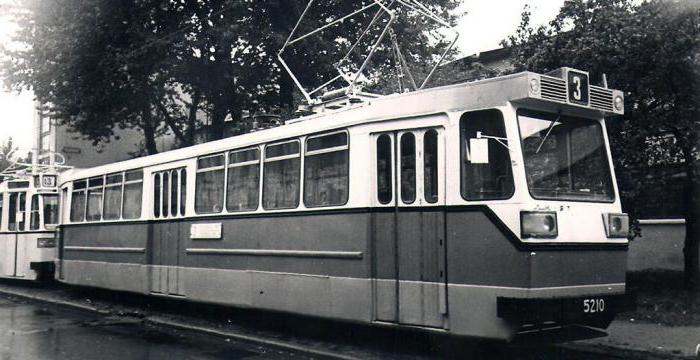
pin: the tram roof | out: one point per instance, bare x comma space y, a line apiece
479, 94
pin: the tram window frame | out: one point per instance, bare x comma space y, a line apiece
216, 194
77, 213
492, 123
293, 158
385, 169
46, 211
240, 161
317, 159
408, 193
34, 217
17, 205
98, 190
132, 205
114, 185
431, 187
2, 209
168, 201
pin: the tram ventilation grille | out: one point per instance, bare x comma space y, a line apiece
553, 89
601, 98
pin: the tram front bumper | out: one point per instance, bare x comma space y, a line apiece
593, 310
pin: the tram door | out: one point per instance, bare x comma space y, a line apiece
409, 227
165, 272
13, 250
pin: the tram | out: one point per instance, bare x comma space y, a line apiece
28, 217
486, 209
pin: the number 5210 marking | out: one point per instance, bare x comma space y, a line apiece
591, 306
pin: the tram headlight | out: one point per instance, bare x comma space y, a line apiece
619, 103
616, 225
534, 85
538, 224
46, 242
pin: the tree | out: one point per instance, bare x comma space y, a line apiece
7, 152
97, 65
650, 50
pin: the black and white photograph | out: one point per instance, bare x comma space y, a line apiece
349, 179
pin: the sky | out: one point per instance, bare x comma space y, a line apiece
486, 23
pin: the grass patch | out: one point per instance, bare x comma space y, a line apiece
662, 298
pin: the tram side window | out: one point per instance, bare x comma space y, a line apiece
168, 193
493, 180
2, 198
94, 199
113, 196
50, 209
326, 167
384, 166
408, 168
209, 184
77, 204
243, 184
133, 191
281, 176
34, 221
430, 166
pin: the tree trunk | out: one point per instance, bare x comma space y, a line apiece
216, 128
149, 132
691, 250
192, 118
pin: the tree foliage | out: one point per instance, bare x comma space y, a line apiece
651, 51
178, 66
7, 152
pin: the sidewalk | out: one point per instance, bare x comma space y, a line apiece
665, 341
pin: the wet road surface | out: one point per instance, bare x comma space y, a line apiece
30, 330
37, 329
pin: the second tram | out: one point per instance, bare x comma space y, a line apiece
28, 217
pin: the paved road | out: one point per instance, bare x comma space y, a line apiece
29, 330
39, 329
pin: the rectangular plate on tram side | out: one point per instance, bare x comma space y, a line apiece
208, 231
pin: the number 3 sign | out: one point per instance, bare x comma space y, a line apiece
578, 87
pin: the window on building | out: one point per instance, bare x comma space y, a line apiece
209, 186
384, 165
113, 196
133, 191
326, 168
34, 218
50, 209
168, 193
281, 176
493, 180
408, 168
77, 203
243, 184
430, 166
94, 199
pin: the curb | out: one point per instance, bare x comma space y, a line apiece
157, 321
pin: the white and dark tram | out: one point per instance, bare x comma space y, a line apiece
28, 218
483, 209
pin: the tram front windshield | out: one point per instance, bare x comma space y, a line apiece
565, 157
